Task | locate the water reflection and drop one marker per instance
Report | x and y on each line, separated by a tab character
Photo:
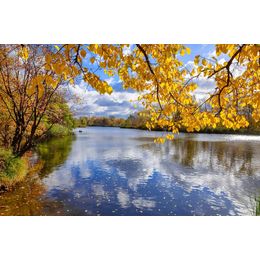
24	200
110	171
28	197
27	200
54	152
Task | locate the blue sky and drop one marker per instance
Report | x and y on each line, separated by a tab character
118	103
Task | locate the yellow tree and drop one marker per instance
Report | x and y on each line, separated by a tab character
167	86
27	95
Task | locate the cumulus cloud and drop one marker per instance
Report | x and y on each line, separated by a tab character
205	88
90	102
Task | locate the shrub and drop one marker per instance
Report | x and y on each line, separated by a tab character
12	169
58	130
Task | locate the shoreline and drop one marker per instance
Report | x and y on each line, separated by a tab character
220	132
26	167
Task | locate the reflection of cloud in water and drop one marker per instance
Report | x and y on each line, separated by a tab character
125	201
98	190
85	173
60	179
123	198
228	170
131	169
143	203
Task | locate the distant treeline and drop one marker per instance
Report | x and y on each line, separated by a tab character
133	121
137	122
97	121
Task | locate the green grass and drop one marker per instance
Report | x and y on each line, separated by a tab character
58	130
12	169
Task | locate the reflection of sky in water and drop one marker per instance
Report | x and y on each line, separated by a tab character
122	172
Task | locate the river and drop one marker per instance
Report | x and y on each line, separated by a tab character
112	171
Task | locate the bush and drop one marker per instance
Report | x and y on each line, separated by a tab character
58	130
12	169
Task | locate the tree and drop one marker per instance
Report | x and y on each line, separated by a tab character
28	92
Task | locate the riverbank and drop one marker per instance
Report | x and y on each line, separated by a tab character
136	122
14	170
58	130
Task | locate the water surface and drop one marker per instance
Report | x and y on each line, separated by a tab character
113	171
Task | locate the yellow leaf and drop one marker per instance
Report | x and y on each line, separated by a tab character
102	64
109	90
196	60
170	136
92	60
24	53
83	53
48	58
30	90
57	47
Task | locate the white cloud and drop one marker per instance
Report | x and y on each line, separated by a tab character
211	54
127	51
112	80
90	102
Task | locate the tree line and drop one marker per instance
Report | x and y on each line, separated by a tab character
136	121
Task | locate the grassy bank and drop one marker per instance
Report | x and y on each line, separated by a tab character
12	169
58	130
